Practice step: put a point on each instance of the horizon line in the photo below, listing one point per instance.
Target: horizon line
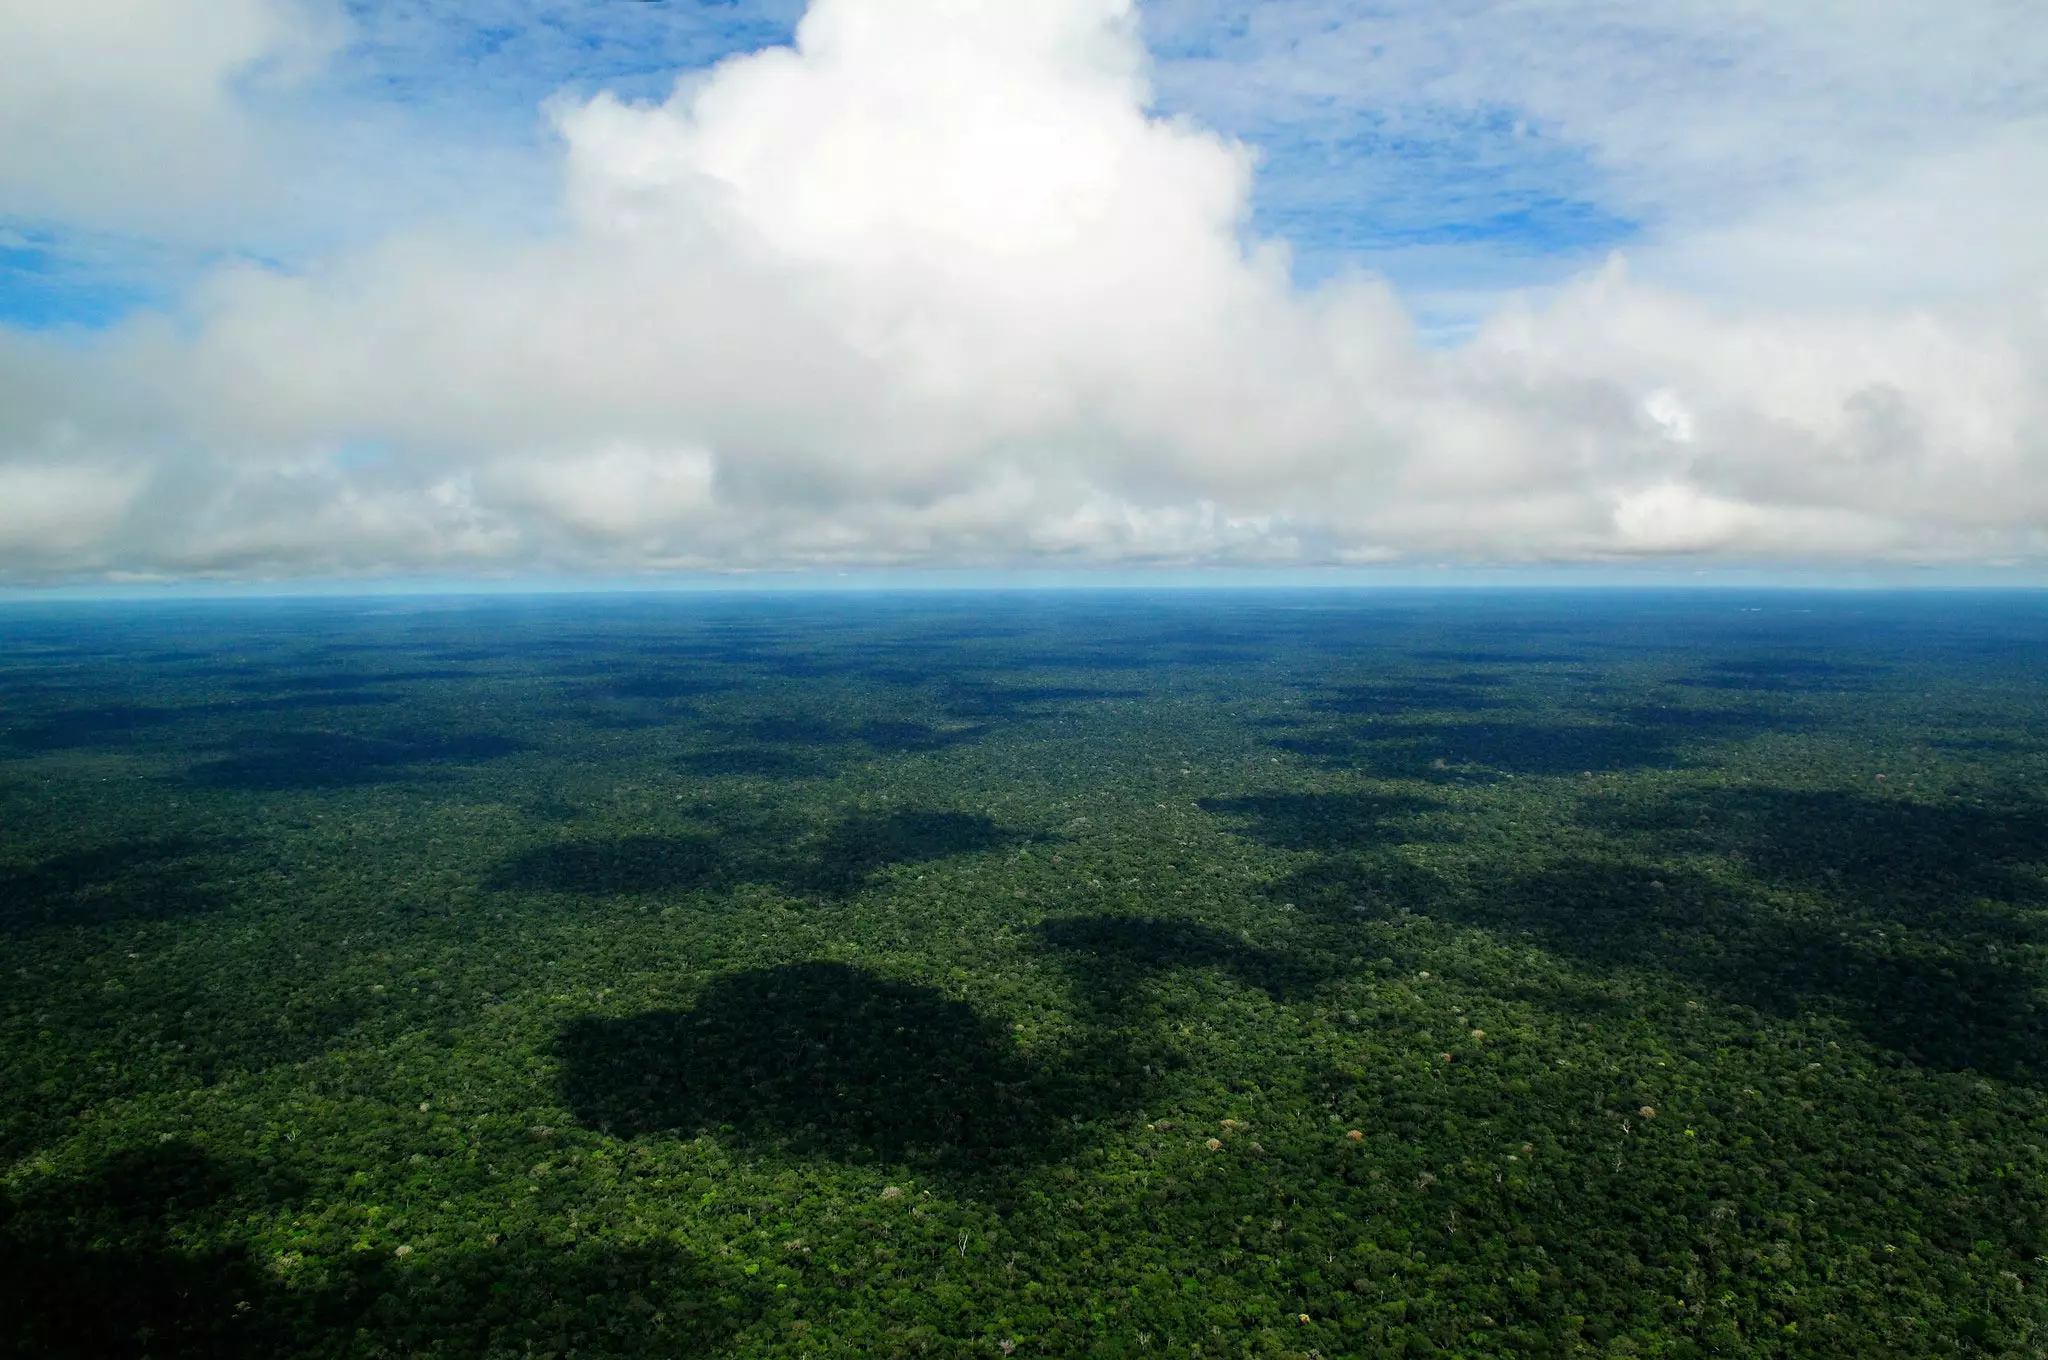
(1591, 579)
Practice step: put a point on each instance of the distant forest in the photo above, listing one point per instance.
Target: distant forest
(1306, 974)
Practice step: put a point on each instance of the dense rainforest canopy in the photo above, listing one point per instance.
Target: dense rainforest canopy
(1315, 974)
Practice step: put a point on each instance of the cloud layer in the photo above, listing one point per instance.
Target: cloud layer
(143, 113)
(937, 286)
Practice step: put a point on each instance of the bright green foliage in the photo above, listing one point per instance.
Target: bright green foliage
(983, 975)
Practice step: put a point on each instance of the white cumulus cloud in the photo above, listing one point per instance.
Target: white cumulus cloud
(936, 285)
(130, 113)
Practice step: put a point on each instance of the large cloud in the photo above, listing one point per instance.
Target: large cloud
(128, 114)
(933, 286)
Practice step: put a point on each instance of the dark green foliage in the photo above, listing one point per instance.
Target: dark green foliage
(94, 1266)
(103, 1266)
(135, 878)
(97, 725)
(750, 760)
(1113, 957)
(827, 1060)
(277, 761)
(1319, 821)
(727, 850)
(627, 864)
(859, 846)
(857, 976)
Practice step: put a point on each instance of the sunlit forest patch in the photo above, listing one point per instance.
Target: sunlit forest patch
(1248, 974)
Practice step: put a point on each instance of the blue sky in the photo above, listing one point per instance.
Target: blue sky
(1443, 199)
(46, 281)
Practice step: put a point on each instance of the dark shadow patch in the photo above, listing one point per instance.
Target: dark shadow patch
(138, 879)
(141, 1258)
(859, 847)
(1933, 992)
(826, 1060)
(94, 1267)
(1112, 957)
(1786, 675)
(340, 680)
(286, 703)
(785, 730)
(999, 702)
(1914, 923)
(276, 762)
(1396, 700)
(1921, 858)
(1358, 886)
(102, 725)
(664, 685)
(846, 856)
(25, 688)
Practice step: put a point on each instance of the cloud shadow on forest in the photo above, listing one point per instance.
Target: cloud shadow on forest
(1932, 995)
(280, 761)
(1113, 957)
(723, 852)
(344, 679)
(827, 1060)
(1910, 920)
(140, 878)
(108, 725)
(1785, 675)
(1890, 851)
(777, 746)
(1640, 736)
(96, 725)
(662, 685)
(1007, 703)
(758, 762)
(288, 703)
(104, 1264)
